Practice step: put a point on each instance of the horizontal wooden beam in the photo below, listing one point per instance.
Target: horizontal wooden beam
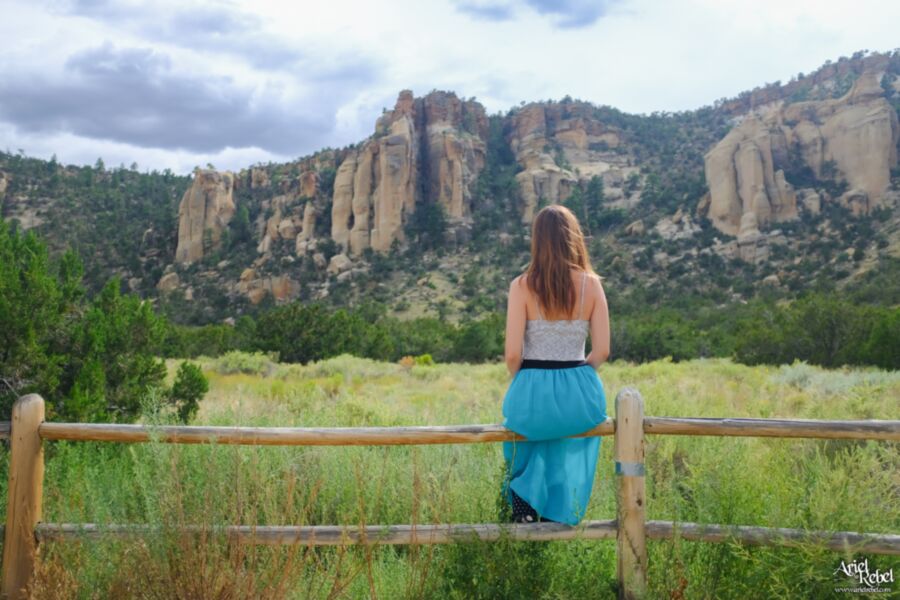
(457, 434)
(784, 428)
(875, 543)
(291, 436)
(337, 535)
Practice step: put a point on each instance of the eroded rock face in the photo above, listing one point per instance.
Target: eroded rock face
(205, 210)
(438, 137)
(455, 132)
(282, 288)
(259, 178)
(168, 282)
(558, 145)
(4, 182)
(852, 138)
(292, 219)
(677, 227)
(309, 182)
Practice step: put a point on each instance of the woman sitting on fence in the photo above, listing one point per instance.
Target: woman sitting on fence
(555, 391)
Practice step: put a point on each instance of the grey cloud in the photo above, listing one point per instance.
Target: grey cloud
(490, 12)
(134, 96)
(566, 13)
(572, 13)
(221, 28)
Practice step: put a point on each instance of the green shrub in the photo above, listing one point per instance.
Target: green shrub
(188, 389)
(424, 360)
(250, 363)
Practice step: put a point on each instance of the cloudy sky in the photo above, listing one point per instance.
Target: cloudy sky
(175, 84)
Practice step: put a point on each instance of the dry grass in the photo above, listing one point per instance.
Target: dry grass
(790, 483)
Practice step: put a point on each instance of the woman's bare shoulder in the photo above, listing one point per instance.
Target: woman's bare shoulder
(596, 283)
(518, 284)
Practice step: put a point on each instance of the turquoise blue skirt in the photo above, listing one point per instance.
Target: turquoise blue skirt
(554, 475)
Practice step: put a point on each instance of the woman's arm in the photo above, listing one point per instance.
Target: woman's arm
(515, 326)
(599, 327)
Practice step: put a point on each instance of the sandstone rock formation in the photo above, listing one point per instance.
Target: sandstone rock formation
(339, 263)
(259, 178)
(635, 228)
(168, 282)
(304, 239)
(810, 200)
(439, 138)
(853, 138)
(255, 288)
(205, 210)
(291, 219)
(559, 144)
(678, 226)
(309, 182)
(455, 132)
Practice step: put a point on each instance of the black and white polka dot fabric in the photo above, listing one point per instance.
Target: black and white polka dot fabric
(522, 512)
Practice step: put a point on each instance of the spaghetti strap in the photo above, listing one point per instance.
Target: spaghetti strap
(583, 280)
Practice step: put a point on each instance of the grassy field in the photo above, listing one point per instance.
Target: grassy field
(829, 485)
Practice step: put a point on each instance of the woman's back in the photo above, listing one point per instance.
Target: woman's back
(560, 340)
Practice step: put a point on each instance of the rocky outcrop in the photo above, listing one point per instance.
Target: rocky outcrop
(309, 182)
(454, 132)
(853, 138)
(290, 219)
(438, 139)
(4, 182)
(810, 200)
(282, 288)
(635, 228)
(742, 176)
(205, 210)
(168, 282)
(560, 144)
(304, 239)
(677, 227)
(751, 245)
(339, 263)
(259, 178)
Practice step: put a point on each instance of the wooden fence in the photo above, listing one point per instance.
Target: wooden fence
(24, 530)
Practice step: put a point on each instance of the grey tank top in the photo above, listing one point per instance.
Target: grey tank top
(556, 340)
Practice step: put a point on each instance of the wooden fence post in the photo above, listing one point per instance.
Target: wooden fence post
(23, 508)
(631, 550)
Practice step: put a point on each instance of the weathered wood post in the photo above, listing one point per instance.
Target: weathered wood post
(631, 550)
(23, 507)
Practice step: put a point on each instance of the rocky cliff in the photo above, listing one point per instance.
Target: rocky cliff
(438, 141)
(205, 210)
(851, 139)
(559, 144)
(783, 179)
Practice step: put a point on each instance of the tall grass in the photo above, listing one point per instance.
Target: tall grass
(834, 485)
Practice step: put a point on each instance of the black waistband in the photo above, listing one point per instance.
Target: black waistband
(531, 363)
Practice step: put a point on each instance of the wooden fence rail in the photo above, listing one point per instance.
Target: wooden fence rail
(27, 430)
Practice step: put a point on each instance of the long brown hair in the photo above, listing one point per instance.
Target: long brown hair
(557, 247)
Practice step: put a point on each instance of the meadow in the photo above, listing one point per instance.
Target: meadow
(823, 485)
